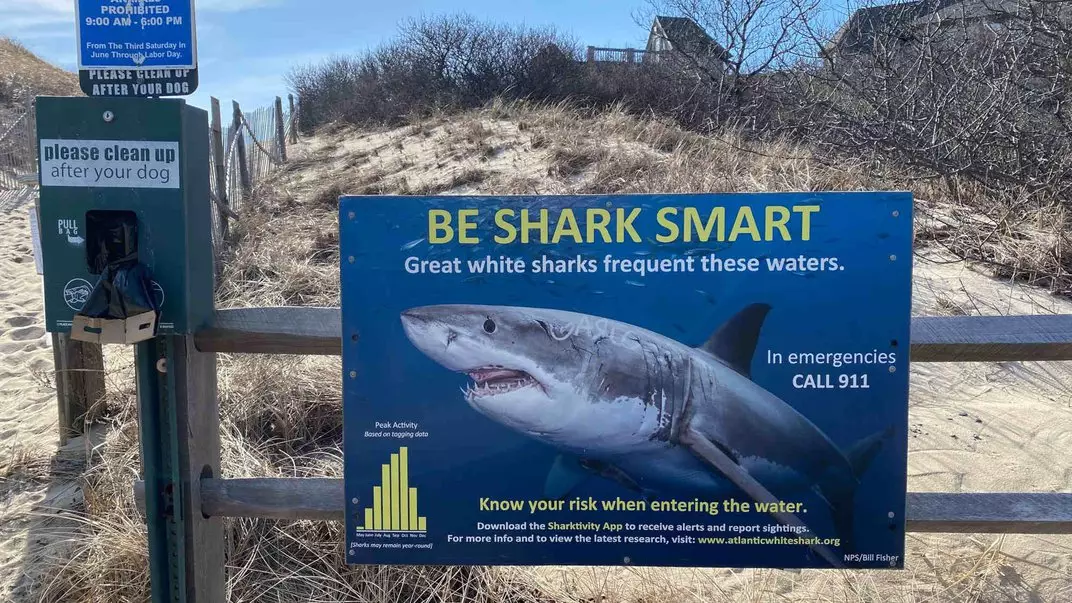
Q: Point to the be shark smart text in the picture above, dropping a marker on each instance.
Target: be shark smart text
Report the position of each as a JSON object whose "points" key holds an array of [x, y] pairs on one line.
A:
{"points": [[688, 224]]}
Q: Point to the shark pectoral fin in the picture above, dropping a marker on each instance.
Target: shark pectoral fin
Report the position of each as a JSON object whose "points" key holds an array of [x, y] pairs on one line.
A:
{"points": [[615, 474], [713, 455], [565, 474], [735, 341]]}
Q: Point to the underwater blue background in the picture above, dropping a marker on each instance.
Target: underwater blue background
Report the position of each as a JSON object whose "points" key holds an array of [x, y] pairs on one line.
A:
{"points": [[865, 307]]}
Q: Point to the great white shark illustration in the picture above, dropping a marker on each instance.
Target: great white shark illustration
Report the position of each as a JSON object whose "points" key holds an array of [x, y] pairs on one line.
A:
{"points": [[644, 410]]}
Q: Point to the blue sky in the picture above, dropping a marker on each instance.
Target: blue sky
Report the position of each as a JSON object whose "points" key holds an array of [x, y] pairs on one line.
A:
{"points": [[245, 47]]}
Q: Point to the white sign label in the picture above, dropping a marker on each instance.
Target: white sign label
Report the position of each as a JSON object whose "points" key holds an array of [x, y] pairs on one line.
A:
{"points": [[35, 236], [110, 163]]}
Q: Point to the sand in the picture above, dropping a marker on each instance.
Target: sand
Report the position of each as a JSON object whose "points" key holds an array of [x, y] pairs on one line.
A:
{"points": [[35, 476]]}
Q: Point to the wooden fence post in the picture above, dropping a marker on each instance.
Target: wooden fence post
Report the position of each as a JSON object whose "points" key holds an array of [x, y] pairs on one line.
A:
{"points": [[240, 141], [280, 136], [197, 416], [221, 170], [293, 121], [79, 382]]}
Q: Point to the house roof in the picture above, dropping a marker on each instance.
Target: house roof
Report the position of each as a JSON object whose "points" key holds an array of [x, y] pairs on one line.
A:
{"points": [[865, 24], [686, 35], [975, 9]]}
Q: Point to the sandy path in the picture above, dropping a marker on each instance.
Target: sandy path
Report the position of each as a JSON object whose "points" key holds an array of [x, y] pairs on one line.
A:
{"points": [[28, 414]]}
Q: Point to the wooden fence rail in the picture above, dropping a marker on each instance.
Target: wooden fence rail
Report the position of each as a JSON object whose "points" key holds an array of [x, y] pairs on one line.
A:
{"points": [[318, 331]]}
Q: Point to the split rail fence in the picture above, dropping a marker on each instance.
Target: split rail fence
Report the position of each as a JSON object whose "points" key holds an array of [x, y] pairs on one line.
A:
{"points": [[318, 331]]}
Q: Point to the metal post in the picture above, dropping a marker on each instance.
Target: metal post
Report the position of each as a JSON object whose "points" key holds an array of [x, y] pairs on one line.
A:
{"points": [[159, 453]]}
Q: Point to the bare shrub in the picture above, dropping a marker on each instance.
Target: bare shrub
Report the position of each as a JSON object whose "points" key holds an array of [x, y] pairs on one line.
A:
{"points": [[435, 64]]}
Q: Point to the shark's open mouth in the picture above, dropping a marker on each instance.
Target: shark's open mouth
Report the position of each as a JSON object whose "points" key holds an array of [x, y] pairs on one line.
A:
{"points": [[495, 380]]}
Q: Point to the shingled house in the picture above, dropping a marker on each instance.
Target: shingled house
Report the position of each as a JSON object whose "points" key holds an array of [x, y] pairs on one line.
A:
{"points": [[682, 35], [869, 29], [677, 39]]}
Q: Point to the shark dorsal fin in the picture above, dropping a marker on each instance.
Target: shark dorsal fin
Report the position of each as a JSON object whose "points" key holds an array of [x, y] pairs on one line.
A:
{"points": [[735, 341]]}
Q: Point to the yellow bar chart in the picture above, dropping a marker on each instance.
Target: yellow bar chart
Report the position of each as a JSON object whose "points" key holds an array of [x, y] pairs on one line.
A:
{"points": [[394, 501]]}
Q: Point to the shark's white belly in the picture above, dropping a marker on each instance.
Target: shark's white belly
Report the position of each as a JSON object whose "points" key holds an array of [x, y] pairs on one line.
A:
{"points": [[606, 429], [674, 470]]}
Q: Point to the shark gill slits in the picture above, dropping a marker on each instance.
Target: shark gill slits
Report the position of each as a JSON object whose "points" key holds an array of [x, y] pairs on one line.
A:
{"points": [[489, 326], [546, 329]]}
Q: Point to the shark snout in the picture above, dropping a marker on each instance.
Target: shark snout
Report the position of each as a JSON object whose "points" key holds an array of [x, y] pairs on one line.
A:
{"points": [[433, 332], [432, 314], [414, 317], [420, 324]]}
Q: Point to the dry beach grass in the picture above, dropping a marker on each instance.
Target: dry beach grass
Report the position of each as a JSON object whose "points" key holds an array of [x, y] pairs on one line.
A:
{"points": [[975, 427]]}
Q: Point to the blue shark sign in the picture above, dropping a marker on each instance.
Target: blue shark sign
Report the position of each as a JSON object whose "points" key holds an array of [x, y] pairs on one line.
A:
{"points": [[136, 34], [716, 380]]}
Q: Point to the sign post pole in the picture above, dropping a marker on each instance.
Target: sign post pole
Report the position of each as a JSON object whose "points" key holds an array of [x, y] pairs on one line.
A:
{"points": [[159, 449]]}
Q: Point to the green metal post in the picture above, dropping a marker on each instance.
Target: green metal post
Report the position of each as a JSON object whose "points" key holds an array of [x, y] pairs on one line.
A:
{"points": [[160, 463]]}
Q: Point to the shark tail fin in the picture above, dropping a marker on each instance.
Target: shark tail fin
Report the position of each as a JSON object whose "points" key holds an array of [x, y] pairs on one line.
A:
{"points": [[735, 341], [842, 500]]}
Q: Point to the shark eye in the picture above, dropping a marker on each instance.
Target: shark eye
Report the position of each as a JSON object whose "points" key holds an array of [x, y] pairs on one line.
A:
{"points": [[489, 326]]}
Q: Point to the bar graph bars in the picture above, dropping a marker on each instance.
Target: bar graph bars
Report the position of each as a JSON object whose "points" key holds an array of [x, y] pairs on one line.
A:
{"points": [[394, 501]]}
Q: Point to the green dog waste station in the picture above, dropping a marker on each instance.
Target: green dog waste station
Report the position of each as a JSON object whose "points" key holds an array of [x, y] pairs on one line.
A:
{"points": [[125, 214]]}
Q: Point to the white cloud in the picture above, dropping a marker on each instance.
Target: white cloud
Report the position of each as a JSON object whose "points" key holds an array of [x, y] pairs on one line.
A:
{"points": [[19, 15]]}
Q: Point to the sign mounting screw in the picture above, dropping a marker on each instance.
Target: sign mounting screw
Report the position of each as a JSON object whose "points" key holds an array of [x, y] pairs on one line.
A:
{"points": [[108, 117]]}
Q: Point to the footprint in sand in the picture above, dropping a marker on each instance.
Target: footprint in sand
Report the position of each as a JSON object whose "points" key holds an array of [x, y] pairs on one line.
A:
{"points": [[20, 321], [27, 333]]}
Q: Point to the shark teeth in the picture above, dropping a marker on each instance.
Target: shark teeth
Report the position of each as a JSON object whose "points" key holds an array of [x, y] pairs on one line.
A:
{"points": [[500, 385]]}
